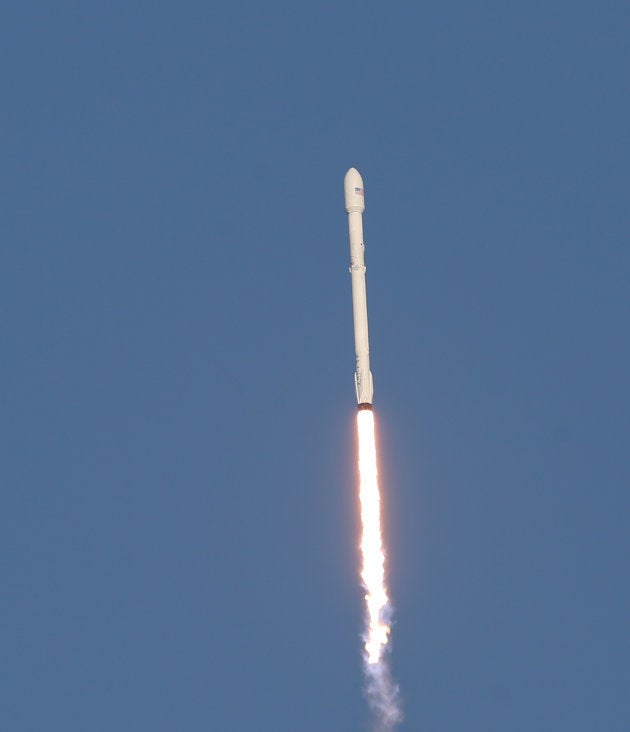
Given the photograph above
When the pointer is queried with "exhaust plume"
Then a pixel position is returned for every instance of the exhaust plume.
(382, 693)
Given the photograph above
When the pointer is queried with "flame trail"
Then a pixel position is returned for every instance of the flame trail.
(382, 692)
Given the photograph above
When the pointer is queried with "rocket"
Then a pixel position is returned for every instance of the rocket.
(355, 206)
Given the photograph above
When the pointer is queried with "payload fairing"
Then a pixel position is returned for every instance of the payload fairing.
(355, 206)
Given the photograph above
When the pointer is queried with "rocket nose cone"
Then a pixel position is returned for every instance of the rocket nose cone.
(353, 191)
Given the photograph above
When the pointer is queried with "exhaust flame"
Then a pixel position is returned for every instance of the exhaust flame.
(373, 570)
(382, 693)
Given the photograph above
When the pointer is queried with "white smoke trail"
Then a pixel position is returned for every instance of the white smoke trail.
(381, 691)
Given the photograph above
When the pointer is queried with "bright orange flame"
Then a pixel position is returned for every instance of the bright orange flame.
(373, 569)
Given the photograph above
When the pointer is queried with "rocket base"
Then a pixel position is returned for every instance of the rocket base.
(365, 405)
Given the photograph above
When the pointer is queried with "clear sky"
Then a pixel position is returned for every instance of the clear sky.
(178, 512)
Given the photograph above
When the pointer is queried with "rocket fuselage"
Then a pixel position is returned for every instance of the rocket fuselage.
(355, 206)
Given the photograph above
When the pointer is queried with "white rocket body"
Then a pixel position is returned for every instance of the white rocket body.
(355, 206)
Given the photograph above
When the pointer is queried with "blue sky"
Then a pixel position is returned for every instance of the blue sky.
(178, 512)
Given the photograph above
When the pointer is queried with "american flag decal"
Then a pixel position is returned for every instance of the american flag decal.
(359, 191)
